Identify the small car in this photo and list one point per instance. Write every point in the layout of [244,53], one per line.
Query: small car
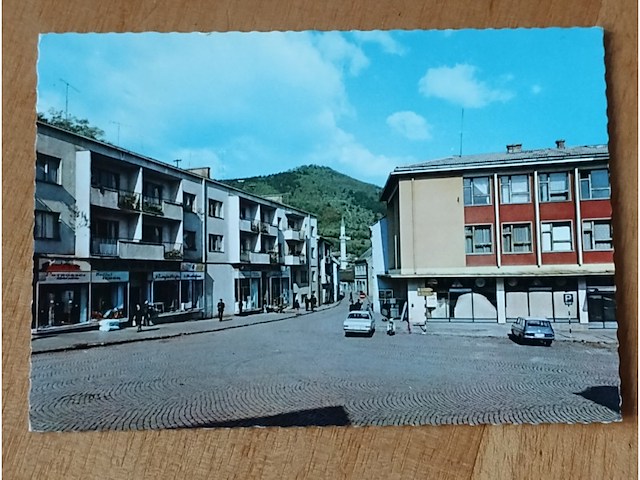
[359,321]
[533,329]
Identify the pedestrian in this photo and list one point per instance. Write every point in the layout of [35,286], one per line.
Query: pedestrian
[350,297]
[137,317]
[306,303]
[148,313]
[296,304]
[220,309]
[313,302]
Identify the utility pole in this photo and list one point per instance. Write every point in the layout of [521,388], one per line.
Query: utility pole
[66,97]
[461,129]
[178,160]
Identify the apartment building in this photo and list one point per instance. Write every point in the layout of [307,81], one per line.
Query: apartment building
[114,228]
[495,236]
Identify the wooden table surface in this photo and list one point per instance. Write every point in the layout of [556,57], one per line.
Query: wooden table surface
[547,451]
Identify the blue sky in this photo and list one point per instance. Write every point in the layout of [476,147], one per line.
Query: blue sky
[362,103]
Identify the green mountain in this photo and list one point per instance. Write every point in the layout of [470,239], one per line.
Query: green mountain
[327,194]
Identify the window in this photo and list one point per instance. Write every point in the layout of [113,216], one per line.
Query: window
[515,189]
[554,187]
[47,226]
[105,179]
[215,208]
[215,243]
[188,202]
[47,168]
[478,239]
[189,239]
[516,238]
[556,237]
[153,192]
[477,191]
[105,229]
[152,234]
[595,184]
[597,235]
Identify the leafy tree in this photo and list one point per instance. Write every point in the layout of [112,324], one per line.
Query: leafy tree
[81,126]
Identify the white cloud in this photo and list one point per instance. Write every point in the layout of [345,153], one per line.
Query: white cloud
[410,125]
[384,39]
[335,48]
[460,85]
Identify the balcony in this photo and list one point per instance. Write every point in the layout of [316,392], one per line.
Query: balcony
[245,256]
[160,207]
[136,250]
[259,258]
[293,260]
[274,258]
[114,199]
[245,225]
[292,234]
[268,229]
[172,251]
[104,247]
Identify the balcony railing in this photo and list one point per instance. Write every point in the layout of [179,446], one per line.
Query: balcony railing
[152,205]
[129,200]
[107,247]
[245,256]
[172,251]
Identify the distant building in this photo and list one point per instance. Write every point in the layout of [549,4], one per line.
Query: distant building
[361,268]
[496,236]
[114,228]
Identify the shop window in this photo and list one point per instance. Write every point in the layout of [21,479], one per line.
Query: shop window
[47,168]
[189,239]
[477,191]
[478,239]
[516,238]
[594,184]
[515,189]
[597,235]
[215,208]
[556,237]
[215,243]
[47,225]
[554,187]
[188,202]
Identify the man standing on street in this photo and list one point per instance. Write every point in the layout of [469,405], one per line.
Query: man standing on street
[220,309]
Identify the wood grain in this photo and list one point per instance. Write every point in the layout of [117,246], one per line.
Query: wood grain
[461,452]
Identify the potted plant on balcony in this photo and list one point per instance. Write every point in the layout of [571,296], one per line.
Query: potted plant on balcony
[128,201]
[152,207]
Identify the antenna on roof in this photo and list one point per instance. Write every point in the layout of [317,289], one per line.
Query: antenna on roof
[66,97]
[461,129]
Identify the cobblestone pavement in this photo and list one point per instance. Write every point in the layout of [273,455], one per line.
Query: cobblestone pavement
[303,371]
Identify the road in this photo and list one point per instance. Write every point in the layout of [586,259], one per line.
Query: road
[304,371]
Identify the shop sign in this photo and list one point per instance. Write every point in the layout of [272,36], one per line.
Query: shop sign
[432,300]
[109,277]
[424,292]
[64,277]
[58,265]
[163,276]
[192,267]
[242,274]
[192,276]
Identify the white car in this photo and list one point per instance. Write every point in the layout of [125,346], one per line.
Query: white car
[359,321]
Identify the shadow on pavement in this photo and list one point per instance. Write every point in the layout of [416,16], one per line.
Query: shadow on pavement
[605,395]
[317,417]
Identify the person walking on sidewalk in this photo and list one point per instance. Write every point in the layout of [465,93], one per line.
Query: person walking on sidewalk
[313,302]
[220,309]
[137,317]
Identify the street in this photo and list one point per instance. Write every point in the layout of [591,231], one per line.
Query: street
[304,371]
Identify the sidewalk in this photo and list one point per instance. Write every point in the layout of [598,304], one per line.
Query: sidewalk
[96,338]
[564,331]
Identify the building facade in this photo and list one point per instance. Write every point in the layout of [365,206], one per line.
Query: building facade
[496,236]
[114,229]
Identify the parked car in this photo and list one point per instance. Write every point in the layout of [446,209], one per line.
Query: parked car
[533,329]
[359,321]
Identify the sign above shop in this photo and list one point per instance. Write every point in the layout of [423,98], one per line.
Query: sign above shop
[60,265]
[64,277]
[424,291]
[109,277]
[192,276]
[164,276]
[192,267]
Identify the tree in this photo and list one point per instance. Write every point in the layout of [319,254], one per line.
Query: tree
[81,126]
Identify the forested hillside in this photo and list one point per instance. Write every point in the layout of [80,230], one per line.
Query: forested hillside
[327,194]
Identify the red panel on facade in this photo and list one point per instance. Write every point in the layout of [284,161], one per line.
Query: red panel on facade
[479,214]
[557,211]
[559,258]
[481,260]
[522,212]
[598,256]
[519,259]
[595,209]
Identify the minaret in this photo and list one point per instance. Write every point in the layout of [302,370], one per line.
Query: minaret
[343,246]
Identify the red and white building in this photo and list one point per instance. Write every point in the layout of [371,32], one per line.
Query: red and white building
[495,236]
